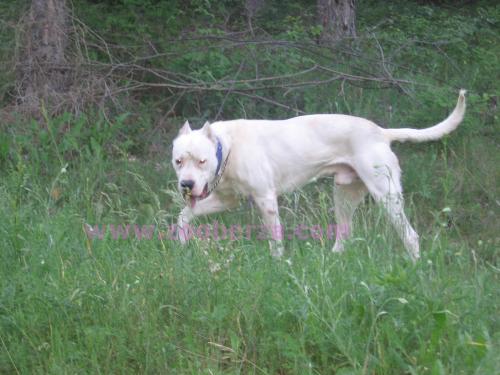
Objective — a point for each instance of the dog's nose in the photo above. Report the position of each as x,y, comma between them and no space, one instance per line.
187,184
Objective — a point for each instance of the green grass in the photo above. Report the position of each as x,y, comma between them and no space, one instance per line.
73,305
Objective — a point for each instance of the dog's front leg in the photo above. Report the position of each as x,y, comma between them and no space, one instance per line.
268,206
209,205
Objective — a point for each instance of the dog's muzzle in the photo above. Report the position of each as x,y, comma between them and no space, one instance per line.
186,187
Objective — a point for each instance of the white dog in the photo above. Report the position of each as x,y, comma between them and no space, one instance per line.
262,159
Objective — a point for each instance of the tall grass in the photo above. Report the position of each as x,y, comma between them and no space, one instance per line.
72,304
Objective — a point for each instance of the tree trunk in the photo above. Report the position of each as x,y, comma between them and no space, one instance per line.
43,76
251,9
337,17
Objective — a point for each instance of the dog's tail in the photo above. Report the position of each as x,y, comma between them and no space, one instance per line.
434,132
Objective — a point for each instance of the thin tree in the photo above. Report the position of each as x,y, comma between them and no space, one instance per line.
251,9
42,69
337,18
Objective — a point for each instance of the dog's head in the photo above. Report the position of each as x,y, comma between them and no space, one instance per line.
195,160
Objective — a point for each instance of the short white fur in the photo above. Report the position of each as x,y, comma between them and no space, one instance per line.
270,157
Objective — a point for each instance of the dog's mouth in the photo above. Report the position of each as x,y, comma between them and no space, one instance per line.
192,199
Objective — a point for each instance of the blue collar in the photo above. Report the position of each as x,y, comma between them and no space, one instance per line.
218,154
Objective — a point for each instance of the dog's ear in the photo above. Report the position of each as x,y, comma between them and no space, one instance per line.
207,130
186,129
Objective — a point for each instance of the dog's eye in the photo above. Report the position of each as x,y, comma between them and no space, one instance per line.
203,161
178,161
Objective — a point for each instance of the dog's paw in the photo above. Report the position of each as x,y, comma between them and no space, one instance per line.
338,247
182,236
277,249
414,256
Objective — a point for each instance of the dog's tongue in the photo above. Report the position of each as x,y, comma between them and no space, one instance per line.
192,201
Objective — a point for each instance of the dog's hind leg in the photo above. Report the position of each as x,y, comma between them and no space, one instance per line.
268,207
346,200
380,172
